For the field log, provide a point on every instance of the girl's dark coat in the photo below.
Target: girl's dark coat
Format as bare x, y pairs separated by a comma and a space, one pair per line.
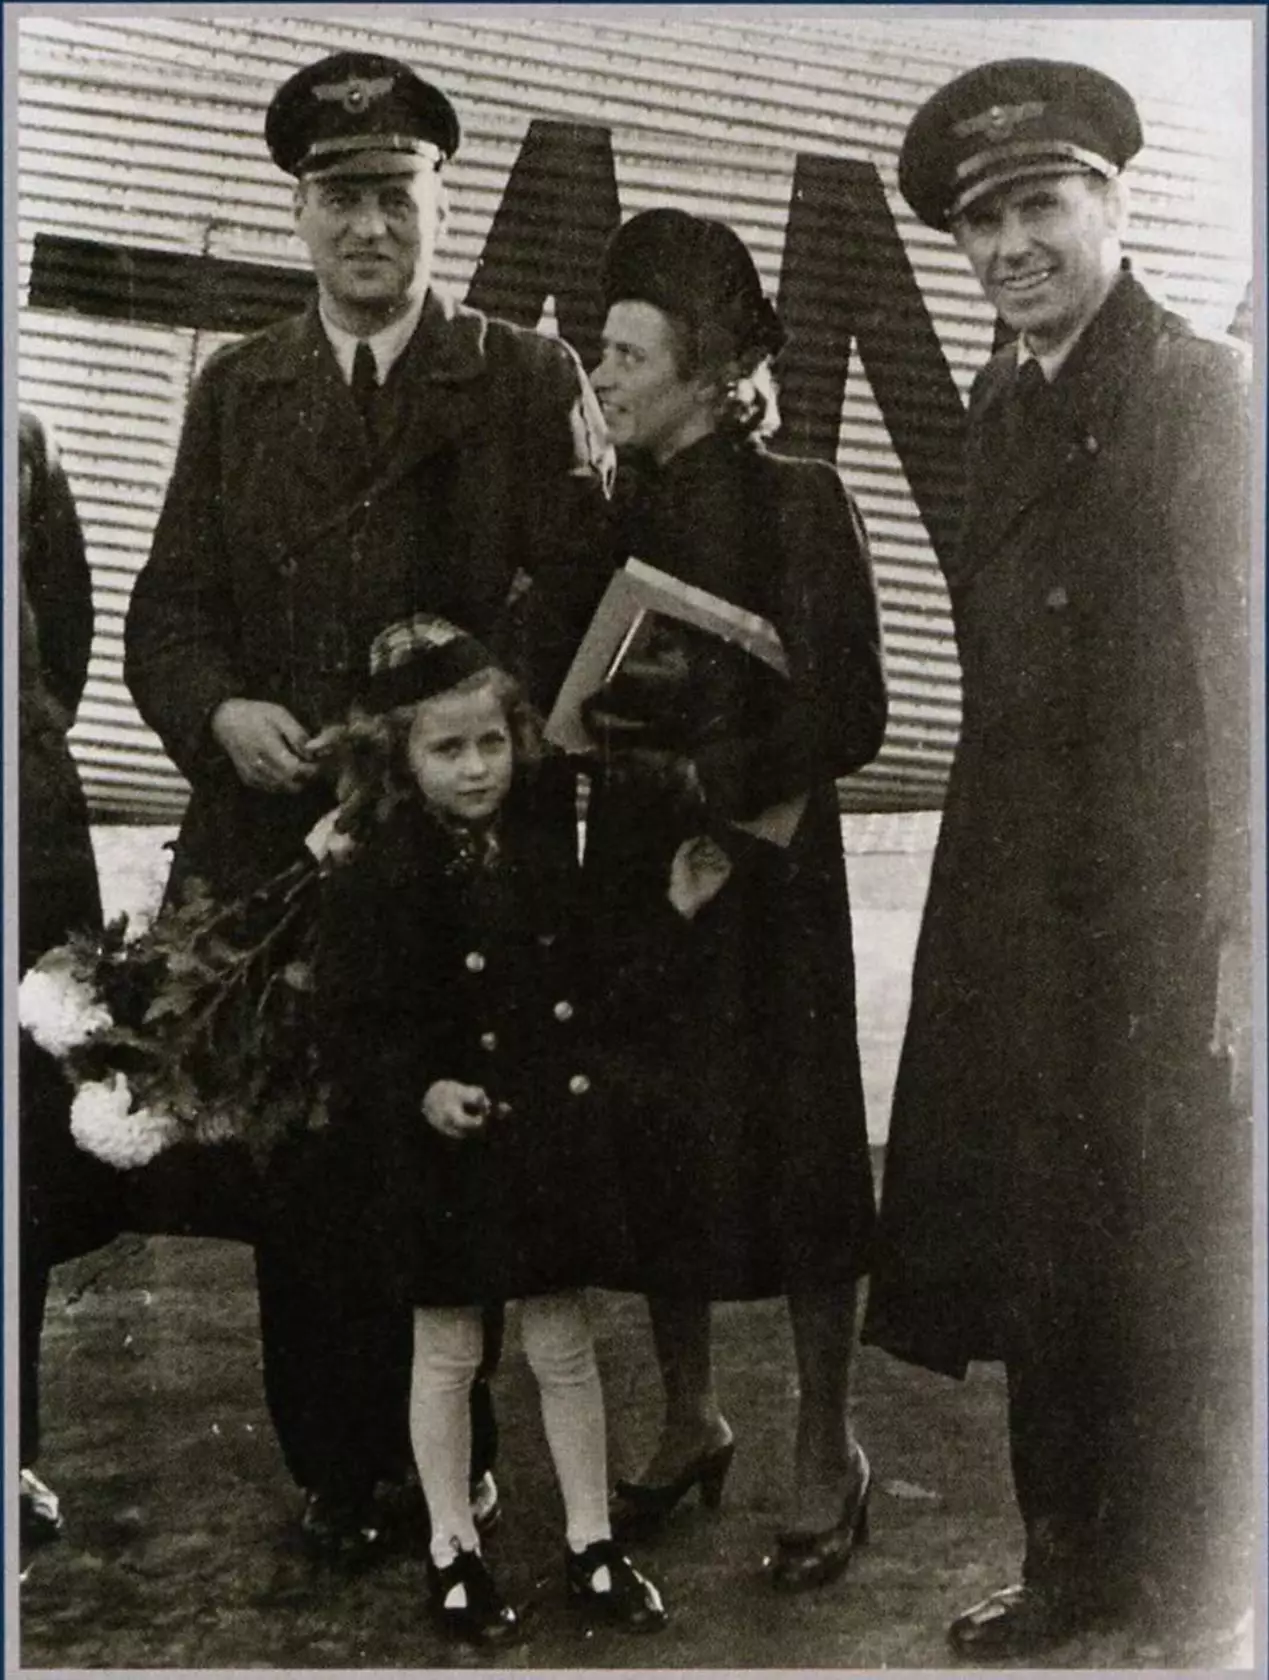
435, 969
742, 1130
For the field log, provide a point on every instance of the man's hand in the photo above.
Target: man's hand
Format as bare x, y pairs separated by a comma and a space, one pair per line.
266, 745
1231, 1026
455, 1110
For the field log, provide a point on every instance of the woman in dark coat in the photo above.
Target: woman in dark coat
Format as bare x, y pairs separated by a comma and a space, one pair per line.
69, 1200
732, 1008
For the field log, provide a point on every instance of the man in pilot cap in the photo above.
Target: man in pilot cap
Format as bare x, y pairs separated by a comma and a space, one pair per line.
384, 453
1068, 1170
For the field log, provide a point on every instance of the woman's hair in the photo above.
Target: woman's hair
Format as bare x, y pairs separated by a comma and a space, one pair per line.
369, 751
748, 404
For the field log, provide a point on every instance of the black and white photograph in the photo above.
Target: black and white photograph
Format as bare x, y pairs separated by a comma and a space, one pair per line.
634, 838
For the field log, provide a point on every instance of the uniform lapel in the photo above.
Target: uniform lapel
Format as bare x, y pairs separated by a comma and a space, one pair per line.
436, 391
1085, 397
318, 456
322, 451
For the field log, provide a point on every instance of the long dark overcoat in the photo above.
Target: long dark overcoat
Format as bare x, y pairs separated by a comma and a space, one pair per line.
285, 543
436, 965
58, 875
68, 1198
743, 1130
1059, 1131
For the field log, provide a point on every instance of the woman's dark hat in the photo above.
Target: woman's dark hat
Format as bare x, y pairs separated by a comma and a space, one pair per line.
330, 117
417, 658
1010, 120
693, 268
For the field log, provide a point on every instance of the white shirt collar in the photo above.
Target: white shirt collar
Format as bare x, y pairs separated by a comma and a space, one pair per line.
385, 345
1051, 361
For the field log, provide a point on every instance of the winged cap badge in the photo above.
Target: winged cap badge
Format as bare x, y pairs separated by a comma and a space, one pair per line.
1000, 121
356, 93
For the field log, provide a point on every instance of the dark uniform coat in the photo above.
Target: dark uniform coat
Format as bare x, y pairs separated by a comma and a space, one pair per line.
69, 1200
1061, 1142
438, 963
58, 875
289, 537
287, 541
743, 1131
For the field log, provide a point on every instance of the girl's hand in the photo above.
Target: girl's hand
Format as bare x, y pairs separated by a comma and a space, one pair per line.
455, 1110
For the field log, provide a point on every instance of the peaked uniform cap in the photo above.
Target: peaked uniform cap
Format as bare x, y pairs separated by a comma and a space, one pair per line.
693, 268
1010, 120
344, 108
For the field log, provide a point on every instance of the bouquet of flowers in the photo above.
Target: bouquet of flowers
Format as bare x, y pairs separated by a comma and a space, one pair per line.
202, 1027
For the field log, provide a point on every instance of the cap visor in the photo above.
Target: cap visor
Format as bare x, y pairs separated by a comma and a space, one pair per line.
1006, 174
372, 163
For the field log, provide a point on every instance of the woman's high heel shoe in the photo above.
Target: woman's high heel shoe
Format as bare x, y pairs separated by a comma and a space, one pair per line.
803, 1561
638, 1509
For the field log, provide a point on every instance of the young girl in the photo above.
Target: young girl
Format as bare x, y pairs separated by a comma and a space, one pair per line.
452, 1011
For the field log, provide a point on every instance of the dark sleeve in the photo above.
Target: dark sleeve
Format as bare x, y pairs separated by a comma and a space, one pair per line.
181, 635
55, 568
568, 547
370, 1018
835, 715
1208, 501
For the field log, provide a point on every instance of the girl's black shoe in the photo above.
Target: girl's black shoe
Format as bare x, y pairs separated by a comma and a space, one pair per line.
639, 1509
628, 1600
467, 1604
803, 1561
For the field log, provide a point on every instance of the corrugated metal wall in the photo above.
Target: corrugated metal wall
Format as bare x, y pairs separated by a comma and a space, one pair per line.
147, 130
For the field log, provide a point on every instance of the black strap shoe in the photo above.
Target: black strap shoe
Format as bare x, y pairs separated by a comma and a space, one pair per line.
603, 1582
466, 1602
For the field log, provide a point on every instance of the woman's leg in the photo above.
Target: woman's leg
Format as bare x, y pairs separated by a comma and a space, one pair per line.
826, 1464
694, 1423
447, 1350
560, 1348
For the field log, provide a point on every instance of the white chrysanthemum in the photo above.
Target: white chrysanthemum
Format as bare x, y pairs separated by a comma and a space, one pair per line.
104, 1123
57, 1006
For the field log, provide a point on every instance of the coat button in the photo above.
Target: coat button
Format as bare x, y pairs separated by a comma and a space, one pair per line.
563, 1010
488, 1041
475, 962
1057, 599
1091, 445
579, 1085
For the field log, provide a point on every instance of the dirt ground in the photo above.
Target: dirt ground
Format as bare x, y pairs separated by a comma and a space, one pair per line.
180, 1551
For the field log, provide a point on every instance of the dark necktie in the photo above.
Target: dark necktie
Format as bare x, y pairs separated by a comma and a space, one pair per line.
365, 387
1028, 402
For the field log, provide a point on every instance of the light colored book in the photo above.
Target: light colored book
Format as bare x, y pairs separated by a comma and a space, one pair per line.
635, 592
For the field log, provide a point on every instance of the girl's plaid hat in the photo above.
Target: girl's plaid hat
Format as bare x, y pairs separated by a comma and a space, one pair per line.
419, 657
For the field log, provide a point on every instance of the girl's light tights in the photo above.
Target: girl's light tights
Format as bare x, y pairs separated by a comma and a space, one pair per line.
556, 1333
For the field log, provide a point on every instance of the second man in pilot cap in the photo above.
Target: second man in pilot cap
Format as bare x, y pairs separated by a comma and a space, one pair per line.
383, 453
1067, 1178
